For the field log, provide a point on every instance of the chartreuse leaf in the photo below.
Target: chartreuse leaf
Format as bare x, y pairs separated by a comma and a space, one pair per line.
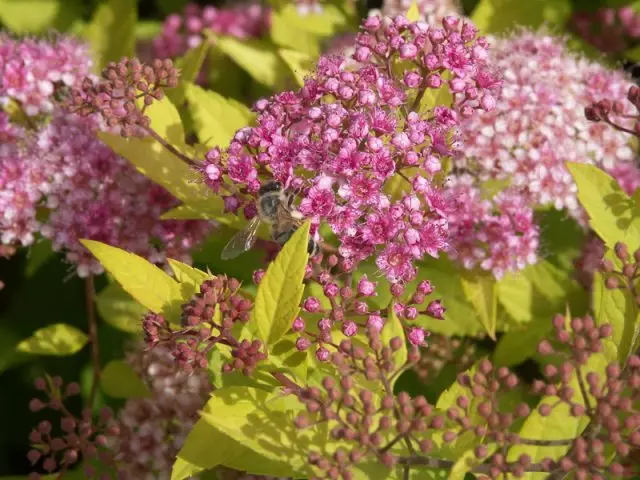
327, 23
467, 462
59, 340
413, 14
189, 64
211, 209
36, 16
300, 63
145, 282
165, 121
480, 289
496, 16
612, 214
393, 328
118, 380
261, 422
216, 120
111, 32
284, 34
160, 165
119, 309
190, 278
258, 58
618, 308
280, 291
460, 318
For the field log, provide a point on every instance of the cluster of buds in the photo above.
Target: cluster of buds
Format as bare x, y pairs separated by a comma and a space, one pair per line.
81, 437
368, 424
123, 93
444, 351
627, 277
207, 321
610, 30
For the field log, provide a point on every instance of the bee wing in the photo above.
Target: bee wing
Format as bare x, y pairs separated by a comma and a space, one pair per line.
241, 241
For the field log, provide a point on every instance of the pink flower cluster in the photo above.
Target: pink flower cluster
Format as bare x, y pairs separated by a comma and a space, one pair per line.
498, 236
32, 71
432, 11
539, 123
610, 30
180, 33
347, 132
153, 429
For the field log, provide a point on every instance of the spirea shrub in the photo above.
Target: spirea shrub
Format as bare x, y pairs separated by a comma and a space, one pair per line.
425, 261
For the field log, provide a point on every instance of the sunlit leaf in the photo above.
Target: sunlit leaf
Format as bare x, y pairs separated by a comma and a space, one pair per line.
119, 309
59, 339
119, 380
393, 328
216, 120
480, 289
498, 16
413, 14
36, 16
280, 291
300, 63
190, 278
111, 32
190, 65
145, 282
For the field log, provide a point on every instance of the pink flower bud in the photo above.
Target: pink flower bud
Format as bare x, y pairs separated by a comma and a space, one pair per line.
416, 336
436, 310
298, 325
302, 344
311, 304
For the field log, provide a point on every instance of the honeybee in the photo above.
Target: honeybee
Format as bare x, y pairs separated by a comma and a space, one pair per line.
275, 208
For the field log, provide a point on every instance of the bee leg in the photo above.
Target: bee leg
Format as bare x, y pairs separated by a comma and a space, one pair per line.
284, 235
313, 248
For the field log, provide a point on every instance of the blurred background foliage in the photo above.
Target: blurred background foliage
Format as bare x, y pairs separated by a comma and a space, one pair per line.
40, 289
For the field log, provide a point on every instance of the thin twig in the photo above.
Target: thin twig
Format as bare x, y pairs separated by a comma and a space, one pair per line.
93, 336
170, 147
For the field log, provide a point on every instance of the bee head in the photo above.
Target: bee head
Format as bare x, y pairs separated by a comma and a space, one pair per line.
269, 187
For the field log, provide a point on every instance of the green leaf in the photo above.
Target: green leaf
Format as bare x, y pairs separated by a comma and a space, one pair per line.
280, 291
253, 418
190, 278
618, 308
329, 22
36, 16
166, 122
119, 309
145, 282
216, 120
413, 14
111, 32
516, 345
284, 34
612, 214
118, 380
59, 339
189, 64
480, 289
300, 63
211, 209
497, 16
258, 58
161, 166
393, 328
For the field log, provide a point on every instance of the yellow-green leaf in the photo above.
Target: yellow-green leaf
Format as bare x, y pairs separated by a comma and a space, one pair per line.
284, 34
36, 16
300, 63
111, 32
258, 58
119, 309
144, 281
280, 291
612, 214
327, 23
216, 120
189, 64
619, 309
480, 289
59, 339
119, 380
166, 121
161, 166
190, 278
413, 14
393, 328
497, 16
